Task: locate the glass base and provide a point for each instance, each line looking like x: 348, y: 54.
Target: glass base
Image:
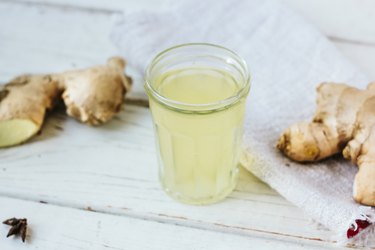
x: 201, y: 201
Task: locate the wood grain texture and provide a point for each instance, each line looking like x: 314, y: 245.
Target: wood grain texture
x: 98, y: 5
x: 49, y: 39
x: 53, y: 227
x: 113, y: 169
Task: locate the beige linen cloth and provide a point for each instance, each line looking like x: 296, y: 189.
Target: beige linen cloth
x: 287, y: 58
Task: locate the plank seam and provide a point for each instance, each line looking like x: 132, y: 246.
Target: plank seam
x: 349, y: 41
x: 182, y: 221
x: 64, y: 7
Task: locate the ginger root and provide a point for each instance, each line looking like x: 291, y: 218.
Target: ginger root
x: 344, y: 122
x: 24, y: 102
x: 92, y: 96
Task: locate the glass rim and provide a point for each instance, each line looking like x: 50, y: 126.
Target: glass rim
x: 201, y: 106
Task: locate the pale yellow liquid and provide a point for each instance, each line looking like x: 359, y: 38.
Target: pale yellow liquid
x: 198, y: 152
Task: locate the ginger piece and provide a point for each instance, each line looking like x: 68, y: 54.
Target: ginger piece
x: 95, y: 95
x: 23, y: 104
x: 344, y: 122
x: 364, y: 181
x: 92, y: 96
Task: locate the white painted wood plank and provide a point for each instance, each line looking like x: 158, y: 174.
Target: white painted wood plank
x: 113, y: 169
x: 48, y: 39
x: 101, y: 5
x: 52, y: 227
x: 346, y: 19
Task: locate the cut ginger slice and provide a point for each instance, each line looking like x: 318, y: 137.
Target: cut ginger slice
x: 13, y: 132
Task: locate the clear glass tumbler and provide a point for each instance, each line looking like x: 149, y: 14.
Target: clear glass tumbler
x: 197, y: 98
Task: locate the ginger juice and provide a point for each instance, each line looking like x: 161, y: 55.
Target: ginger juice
x: 198, y: 115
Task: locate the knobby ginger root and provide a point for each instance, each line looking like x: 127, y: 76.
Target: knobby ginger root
x: 344, y: 122
x: 95, y: 95
x: 92, y: 96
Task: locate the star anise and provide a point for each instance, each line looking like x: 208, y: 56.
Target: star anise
x: 19, y: 227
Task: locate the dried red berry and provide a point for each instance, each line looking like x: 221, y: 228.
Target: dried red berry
x: 355, y: 229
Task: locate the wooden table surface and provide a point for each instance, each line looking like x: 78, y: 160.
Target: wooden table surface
x: 97, y: 188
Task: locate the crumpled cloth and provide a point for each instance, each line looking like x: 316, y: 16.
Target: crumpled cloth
x: 287, y: 58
